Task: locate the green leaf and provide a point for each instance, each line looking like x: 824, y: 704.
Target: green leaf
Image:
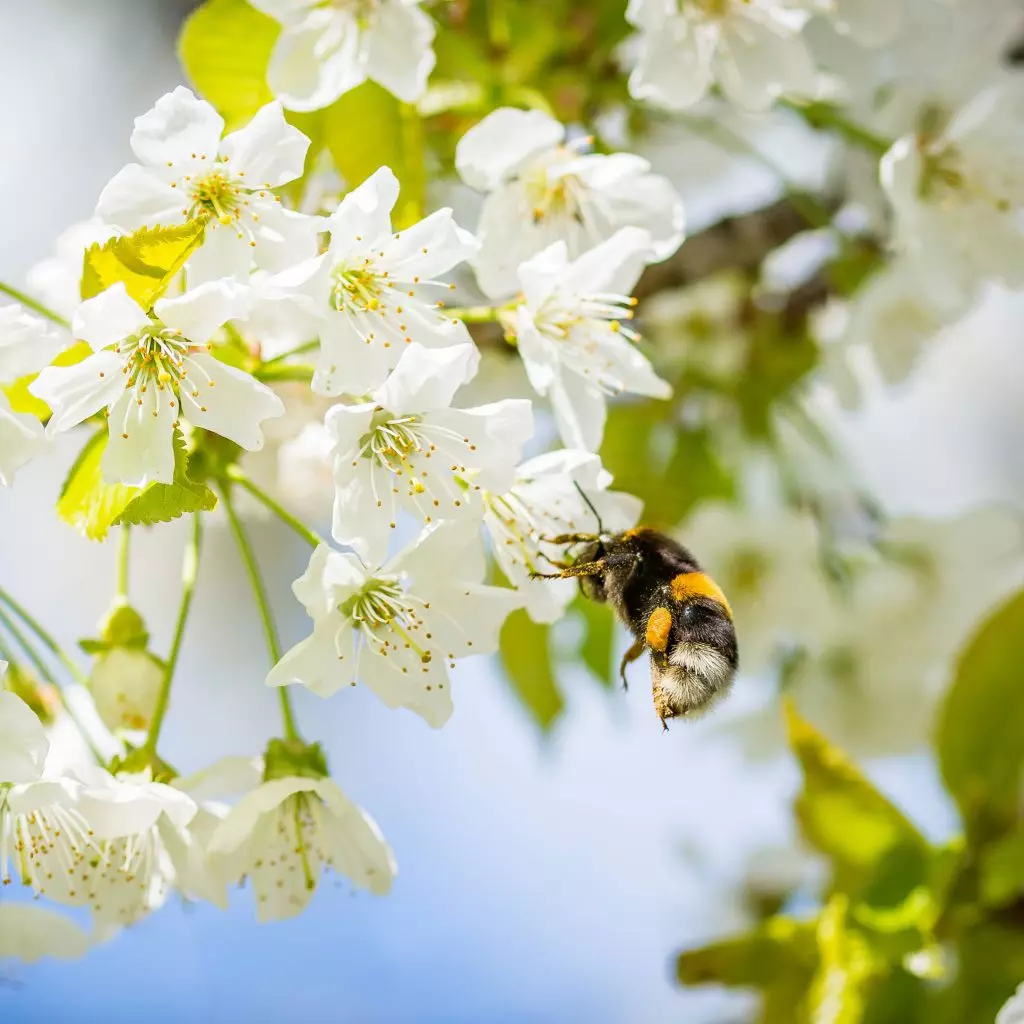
x: 368, y: 128
x: 225, y: 47
x: 22, y: 400
x: 145, y: 261
x: 779, y: 958
x: 87, y: 502
x: 598, y: 642
x: 160, y: 503
x: 1002, y: 871
x: 839, y: 992
x: 526, y: 658
x: 875, y: 850
x: 981, y: 723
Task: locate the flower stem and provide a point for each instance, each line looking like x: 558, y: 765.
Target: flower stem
x: 237, y: 475
x: 473, y: 314
x: 825, y: 116
x: 45, y: 638
x: 123, y: 550
x: 259, y: 590
x: 299, y: 350
x: 30, y: 303
x: 189, y: 569
x: 47, y: 677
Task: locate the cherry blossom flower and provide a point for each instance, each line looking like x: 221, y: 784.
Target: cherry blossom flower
x: 1012, y: 1011
x: 753, y: 49
x: 544, y: 502
x: 27, y: 344
x: 408, y: 449
x: 324, y: 50
x: 957, y: 194
x: 288, y: 830
x: 187, y: 171
x: 151, y: 371
x: 542, y: 189
x: 397, y: 628
x: 57, y: 280
x: 571, y: 334
x: 368, y: 296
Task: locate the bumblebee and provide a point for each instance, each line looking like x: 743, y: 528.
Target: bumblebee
x: 673, y: 609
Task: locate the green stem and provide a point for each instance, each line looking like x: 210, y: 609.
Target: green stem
x: 45, y: 638
x: 284, y: 372
x: 189, y: 569
x: 30, y: 303
x: 237, y: 475
x: 123, y: 550
x: 259, y: 590
x: 299, y: 350
x: 46, y: 676
x: 824, y: 116
x: 474, y: 314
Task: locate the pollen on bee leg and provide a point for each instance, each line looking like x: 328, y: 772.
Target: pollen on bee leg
x: 659, y: 626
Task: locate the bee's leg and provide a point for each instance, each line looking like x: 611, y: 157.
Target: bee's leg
x: 664, y: 725
x: 571, y: 538
x: 554, y: 562
x: 580, y: 569
x: 628, y: 658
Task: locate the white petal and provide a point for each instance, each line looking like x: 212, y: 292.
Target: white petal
x: 268, y: 149
x: 330, y: 579
x: 109, y: 317
x: 21, y: 438
x: 366, y: 210
x: 493, y: 150
x: 227, y: 401
x: 397, y: 45
x: 201, y: 311
x: 27, y: 343
x: 346, y: 425
x: 324, y: 662
x: 195, y: 876
x: 23, y: 743
x: 120, y: 808
x: 283, y: 237
x: 674, y: 67
x: 538, y: 352
x: 446, y: 549
x: 316, y: 61
x: 428, y: 249
x: 140, y: 451
x: 177, y: 126
x: 357, y: 520
x: 228, y: 776
x: 75, y: 392
x: 427, y: 379
x: 614, y: 265
x: 422, y: 688
x: 539, y: 274
x: 467, y: 619
x: 29, y: 933
x: 763, y: 62
x: 223, y: 254
x: 871, y: 22
x: 354, y: 843
x: 237, y: 827
x: 136, y: 197
x: 580, y: 411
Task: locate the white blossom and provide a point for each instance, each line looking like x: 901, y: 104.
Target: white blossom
x: 369, y: 295
x: 1012, y: 1011
x: 27, y: 344
x: 57, y: 280
x: 151, y: 371
x: 543, y: 502
x: 869, y: 22
x: 29, y: 933
x: 408, y: 449
x: 187, y: 171
x: 397, y: 628
x: 572, y: 337
x: 957, y: 194
x: 287, y: 831
x: 542, y: 189
x: 752, y: 49
x: 125, y: 684
x: 326, y: 49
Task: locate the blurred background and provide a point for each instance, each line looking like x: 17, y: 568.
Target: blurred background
x: 554, y: 858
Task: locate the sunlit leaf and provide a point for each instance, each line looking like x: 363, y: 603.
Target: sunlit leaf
x: 22, y: 400
x: 225, y: 47
x: 368, y: 128
x: 1002, y: 871
x: 989, y: 966
x: 839, y: 992
x: 146, y: 261
x: 981, y: 723
x: 87, y: 502
x: 160, y: 503
x: 598, y: 642
x: 876, y: 852
x: 526, y: 658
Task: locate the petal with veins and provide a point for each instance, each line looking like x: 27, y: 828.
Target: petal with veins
x: 140, y: 450
x: 109, y: 317
x: 75, y: 392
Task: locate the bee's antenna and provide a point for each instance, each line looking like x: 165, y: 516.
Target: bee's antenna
x: 590, y: 505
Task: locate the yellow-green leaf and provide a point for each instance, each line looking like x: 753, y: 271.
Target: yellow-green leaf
x: 840, y: 988
x: 368, y: 128
x: 526, y: 658
x: 225, y: 47
x: 87, y: 502
x: 981, y: 723
x: 160, y: 503
x: 22, y: 400
x: 1002, y: 871
x: 145, y: 261
x: 870, y: 843
x: 597, y: 645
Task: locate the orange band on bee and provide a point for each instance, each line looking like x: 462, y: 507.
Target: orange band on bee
x: 659, y: 625
x: 698, y: 584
